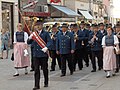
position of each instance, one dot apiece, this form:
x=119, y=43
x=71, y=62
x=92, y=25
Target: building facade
x=8, y=17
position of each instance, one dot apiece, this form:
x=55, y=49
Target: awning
x=66, y=10
x=86, y=14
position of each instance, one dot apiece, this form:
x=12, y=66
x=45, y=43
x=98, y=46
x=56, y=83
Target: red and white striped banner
x=38, y=39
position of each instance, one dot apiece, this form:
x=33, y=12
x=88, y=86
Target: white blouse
x=116, y=41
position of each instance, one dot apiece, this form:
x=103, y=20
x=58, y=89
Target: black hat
x=87, y=25
x=100, y=24
x=92, y=25
x=71, y=25
x=75, y=26
x=39, y=22
x=54, y=26
x=117, y=25
x=82, y=23
x=65, y=25
x=95, y=26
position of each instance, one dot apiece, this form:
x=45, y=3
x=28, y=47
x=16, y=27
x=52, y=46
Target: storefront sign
x=31, y=4
x=37, y=14
x=55, y=1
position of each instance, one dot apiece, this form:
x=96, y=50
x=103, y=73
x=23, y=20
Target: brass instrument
x=75, y=37
x=34, y=22
x=52, y=36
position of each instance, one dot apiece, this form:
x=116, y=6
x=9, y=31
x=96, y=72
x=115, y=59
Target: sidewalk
x=80, y=80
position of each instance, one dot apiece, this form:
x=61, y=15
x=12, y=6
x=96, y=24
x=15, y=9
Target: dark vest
x=20, y=36
x=109, y=40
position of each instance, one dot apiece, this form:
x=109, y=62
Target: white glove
x=45, y=49
x=30, y=37
x=25, y=52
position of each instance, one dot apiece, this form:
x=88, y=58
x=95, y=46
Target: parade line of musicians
x=74, y=44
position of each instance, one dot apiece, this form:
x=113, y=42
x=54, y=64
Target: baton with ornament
x=35, y=36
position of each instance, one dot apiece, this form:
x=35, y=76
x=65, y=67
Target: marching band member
x=117, y=33
x=21, y=57
x=84, y=34
x=40, y=57
x=53, y=49
x=103, y=32
x=109, y=57
x=65, y=47
x=95, y=39
x=78, y=51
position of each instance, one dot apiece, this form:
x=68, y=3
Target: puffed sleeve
x=103, y=41
x=15, y=38
x=25, y=37
x=116, y=41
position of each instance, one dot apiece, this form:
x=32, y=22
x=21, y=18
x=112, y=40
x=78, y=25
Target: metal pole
x=19, y=6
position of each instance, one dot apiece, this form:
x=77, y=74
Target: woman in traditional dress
x=5, y=41
x=109, y=58
x=21, y=57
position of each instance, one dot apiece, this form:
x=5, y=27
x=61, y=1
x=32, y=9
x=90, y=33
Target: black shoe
x=117, y=70
x=1, y=57
x=15, y=75
x=87, y=65
x=36, y=88
x=52, y=70
x=113, y=74
x=62, y=75
x=31, y=70
x=71, y=73
x=108, y=76
x=80, y=68
x=93, y=71
x=26, y=73
x=99, y=69
x=46, y=85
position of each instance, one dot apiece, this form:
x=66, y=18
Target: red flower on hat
x=55, y=1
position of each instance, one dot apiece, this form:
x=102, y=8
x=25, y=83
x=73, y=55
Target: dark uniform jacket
x=37, y=52
x=78, y=43
x=65, y=43
x=53, y=41
x=96, y=45
x=84, y=36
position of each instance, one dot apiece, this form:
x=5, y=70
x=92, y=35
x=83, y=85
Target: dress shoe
x=93, y=71
x=36, y=88
x=99, y=69
x=31, y=70
x=87, y=65
x=15, y=75
x=46, y=85
x=62, y=75
x=108, y=76
x=113, y=74
x=117, y=70
x=26, y=73
x=52, y=70
x=1, y=57
x=71, y=73
x=80, y=68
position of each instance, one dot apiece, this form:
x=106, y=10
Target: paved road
x=81, y=80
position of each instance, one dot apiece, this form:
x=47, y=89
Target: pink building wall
x=107, y=4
